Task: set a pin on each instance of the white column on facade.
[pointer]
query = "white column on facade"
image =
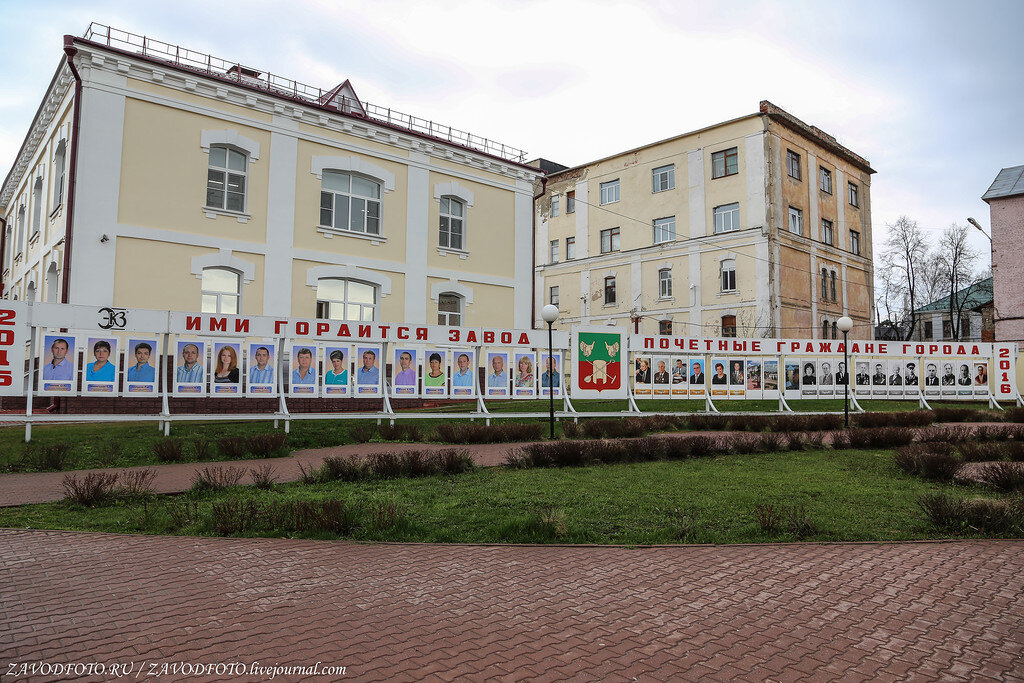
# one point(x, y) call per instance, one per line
point(763, 294)
point(585, 296)
point(695, 291)
point(582, 216)
point(416, 239)
point(815, 284)
point(975, 318)
point(97, 190)
point(842, 238)
point(636, 284)
point(846, 302)
point(757, 185)
point(282, 176)
point(937, 331)
point(814, 229)
point(777, 294)
point(523, 265)
point(540, 296)
point(695, 180)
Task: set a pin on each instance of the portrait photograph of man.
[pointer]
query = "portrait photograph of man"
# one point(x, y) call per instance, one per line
point(910, 377)
point(698, 378)
point(964, 379)
point(303, 370)
point(826, 378)
point(261, 377)
point(948, 378)
point(863, 377)
point(551, 377)
point(57, 376)
point(463, 372)
point(497, 373)
point(335, 374)
point(895, 373)
point(643, 371)
point(878, 378)
point(981, 375)
point(661, 375)
point(367, 377)
point(680, 374)
point(140, 362)
point(736, 373)
point(405, 372)
point(842, 377)
point(189, 378)
point(931, 378)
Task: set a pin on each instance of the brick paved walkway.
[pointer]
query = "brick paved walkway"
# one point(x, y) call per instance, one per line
point(927, 611)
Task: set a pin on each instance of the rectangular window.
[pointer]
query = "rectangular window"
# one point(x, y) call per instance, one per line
point(824, 284)
point(570, 248)
point(226, 179)
point(729, 275)
point(664, 229)
point(610, 192)
point(825, 179)
point(554, 206)
point(854, 201)
point(663, 178)
point(727, 218)
point(570, 201)
point(796, 221)
point(609, 290)
point(855, 242)
point(609, 240)
point(947, 329)
point(724, 163)
point(553, 296)
point(554, 252)
point(793, 164)
point(832, 285)
point(664, 327)
point(728, 326)
point(928, 329)
point(665, 283)
point(827, 235)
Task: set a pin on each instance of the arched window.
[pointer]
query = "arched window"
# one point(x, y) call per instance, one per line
point(665, 283)
point(729, 275)
point(30, 292)
point(21, 229)
point(50, 287)
point(728, 326)
point(341, 299)
point(835, 329)
point(221, 291)
point(37, 206)
point(226, 179)
point(449, 309)
point(9, 248)
point(824, 283)
point(58, 173)
point(350, 202)
point(824, 329)
point(452, 227)
point(832, 285)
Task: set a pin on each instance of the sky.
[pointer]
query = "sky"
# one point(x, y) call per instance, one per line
point(930, 92)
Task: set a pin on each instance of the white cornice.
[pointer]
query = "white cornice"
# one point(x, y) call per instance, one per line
point(198, 84)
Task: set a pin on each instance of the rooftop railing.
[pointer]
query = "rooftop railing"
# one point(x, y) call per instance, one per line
point(279, 85)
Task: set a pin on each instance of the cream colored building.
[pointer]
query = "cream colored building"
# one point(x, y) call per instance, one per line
point(755, 227)
point(157, 177)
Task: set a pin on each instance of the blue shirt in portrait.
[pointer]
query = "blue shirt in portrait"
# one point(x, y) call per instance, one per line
point(498, 379)
point(371, 376)
point(463, 379)
point(104, 374)
point(146, 373)
point(187, 375)
point(264, 376)
point(62, 371)
point(340, 378)
point(297, 378)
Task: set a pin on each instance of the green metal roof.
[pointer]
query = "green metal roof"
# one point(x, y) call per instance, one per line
point(976, 296)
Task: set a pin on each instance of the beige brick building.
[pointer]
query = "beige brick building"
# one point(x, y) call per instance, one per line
point(759, 226)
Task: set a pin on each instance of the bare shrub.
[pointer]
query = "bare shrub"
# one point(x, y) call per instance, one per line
point(938, 465)
point(454, 460)
point(799, 522)
point(768, 517)
point(959, 515)
point(216, 478)
point(263, 476)
point(202, 448)
point(572, 430)
point(233, 447)
point(1004, 476)
point(343, 468)
point(267, 445)
point(308, 475)
point(52, 456)
point(136, 483)
point(361, 432)
point(89, 489)
point(169, 450)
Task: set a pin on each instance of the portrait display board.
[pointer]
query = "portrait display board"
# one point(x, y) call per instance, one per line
point(719, 377)
point(367, 373)
point(792, 379)
point(303, 379)
point(189, 367)
point(496, 375)
point(770, 378)
point(58, 368)
point(753, 379)
point(599, 362)
point(551, 376)
point(463, 373)
point(405, 371)
point(826, 378)
point(680, 375)
point(435, 373)
point(14, 351)
point(642, 386)
point(226, 368)
point(661, 380)
point(524, 379)
point(99, 366)
point(336, 372)
point(809, 378)
point(737, 378)
point(141, 360)
point(698, 378)
point(262, 369)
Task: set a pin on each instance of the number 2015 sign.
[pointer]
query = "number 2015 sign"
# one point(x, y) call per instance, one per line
point(12, 348)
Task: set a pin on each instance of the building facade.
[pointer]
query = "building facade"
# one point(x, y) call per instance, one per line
point(755, 227)
point(973, 303)
point(157, 177)
point(1005, 199)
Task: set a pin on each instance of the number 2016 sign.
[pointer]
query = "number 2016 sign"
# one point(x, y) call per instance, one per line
point(12, 348)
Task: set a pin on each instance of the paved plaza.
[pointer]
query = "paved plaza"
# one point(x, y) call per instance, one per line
point(924, 611)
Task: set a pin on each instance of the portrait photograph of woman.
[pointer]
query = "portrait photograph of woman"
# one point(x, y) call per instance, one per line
point(525, 380)
point(101, 369)
point(435, 377)
point(226, 375)
point(336, 372)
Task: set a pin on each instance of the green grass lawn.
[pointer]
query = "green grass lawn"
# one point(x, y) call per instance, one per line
point(850, 495)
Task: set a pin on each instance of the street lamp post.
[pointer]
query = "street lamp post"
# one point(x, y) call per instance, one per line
point(845, 324)
point(549, 314)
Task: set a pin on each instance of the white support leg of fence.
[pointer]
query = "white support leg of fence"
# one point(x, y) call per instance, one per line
point(922, 402)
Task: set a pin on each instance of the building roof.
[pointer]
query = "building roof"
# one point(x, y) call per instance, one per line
point(1008, 183)
point(972, 297)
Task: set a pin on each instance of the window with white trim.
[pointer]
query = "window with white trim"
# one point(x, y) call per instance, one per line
point(609, 289)
point(665, 283)
point(728, 268)
point(352, 203)
point(609, 240)
point(725, 163)
point(58, 173)
point(825, 179)
point(855, 242)
point(21, 229)
point(664, 327)
point(610, 192)
point(343, 299)
point(824, 284)
point(664, 229)
point(449, 309)
point(553, 254)
point(796, 221)
point(663, 178)
point(221, 291)
point(854, 194)
point(452, 226)
point(793, 164)
point(832, 285)
point(226, 179)
point(554, 206)
point(727, 217)
point(37, 206)
point(827, 233)
point(570, 248)
point(553, 295)
point(570, 201)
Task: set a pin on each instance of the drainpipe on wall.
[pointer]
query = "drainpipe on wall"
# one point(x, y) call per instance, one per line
point(70, 50)
point(533, 252)
point(3, 251)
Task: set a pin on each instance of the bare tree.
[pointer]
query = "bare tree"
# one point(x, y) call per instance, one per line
point(905, 253)
point(957, 259)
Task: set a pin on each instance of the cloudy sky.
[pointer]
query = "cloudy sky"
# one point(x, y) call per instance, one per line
point(930, 92)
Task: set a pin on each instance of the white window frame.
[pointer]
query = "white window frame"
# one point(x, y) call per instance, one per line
point(796, 219)
point(665, 283)
point(663, 178)
point(349, 196)
point(37, 207)
point(451, 318)
point(792, 156)
point(828, 232)
point(553, 295)
point(344, 301)
point(853, 194)
point(554, 206)
point(59, 166)
point(570, 248)
point(664, 229)
point(610, 192)
point(610, 280)
point(727, 274)
point(724, 212)
point(553, 252)
point(227, 172)
point(825, 179)
point(452, 219)
point(220, 295)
